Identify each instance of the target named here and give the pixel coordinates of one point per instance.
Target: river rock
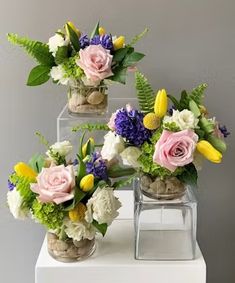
(146, 181)
(61, 245)
(95, 98)
(174, 186)
(158, 186)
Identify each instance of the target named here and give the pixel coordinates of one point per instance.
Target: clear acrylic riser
(66, 122)
(165, 229)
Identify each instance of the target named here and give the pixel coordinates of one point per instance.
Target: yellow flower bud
(151, 121)
(84, 147)
(102, 31)
(160, 106)
(77, 31)
(87, 182)
(209, 152)
(119, 42)
(23, 170)
(78, 213)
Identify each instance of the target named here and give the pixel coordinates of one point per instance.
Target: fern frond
(36, 49)
(145, 93)
(197, 93)
(91, 127)
(136, 38)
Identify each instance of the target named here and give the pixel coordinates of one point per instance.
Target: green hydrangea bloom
(71, 69)
(48, 214)
(172, 127)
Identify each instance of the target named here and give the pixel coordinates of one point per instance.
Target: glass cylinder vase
(87, 99)
(69, 250)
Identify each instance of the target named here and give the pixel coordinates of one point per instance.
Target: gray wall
(189, 42)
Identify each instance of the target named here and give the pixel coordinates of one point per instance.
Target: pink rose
(96, 62)
(55, 184)
(111, 123)
(175, 149)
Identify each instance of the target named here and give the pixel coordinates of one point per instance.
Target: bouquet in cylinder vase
(165, 143)
(73, 198)
(83, 63)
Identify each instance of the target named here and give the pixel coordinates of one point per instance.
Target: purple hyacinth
(224, 131)
(11, 186)
(129, 125)
(105, 40)
(170, 110)
(97, 167)
(84, 41)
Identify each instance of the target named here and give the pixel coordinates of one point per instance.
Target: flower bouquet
(73, 199)
(84, 63)
(165, 145)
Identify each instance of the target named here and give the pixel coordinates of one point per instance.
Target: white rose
(56, 41)
(113, 146)
(62, 148)
(14, 201)
(102, 206)
(130, 156)
(79, 230)
(184, 119)
(58, 74)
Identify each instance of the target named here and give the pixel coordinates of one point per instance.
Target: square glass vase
(165, 229)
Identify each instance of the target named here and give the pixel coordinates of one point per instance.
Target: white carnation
(62, 148)
(58, 74)
(113, 146)
(79, 230)
(102, 206)
(130, 156)
(56, 41)
(14, 201)
(183, 119)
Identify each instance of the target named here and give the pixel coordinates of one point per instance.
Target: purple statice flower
(84, 41)
(224, 131)
(129, 125)
(75, 162)
(105, 40)
(97, 167)
(11, 186)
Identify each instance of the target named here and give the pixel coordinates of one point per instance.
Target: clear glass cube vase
(165, 229)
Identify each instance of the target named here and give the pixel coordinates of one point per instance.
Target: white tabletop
(113, 262)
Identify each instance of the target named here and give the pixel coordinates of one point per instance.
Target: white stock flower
(62, 148)
(113, 146)
(14, 201)
(79, 230)
(130, 156)
(183, 119)
(58, 74)
(102, 206)
(56, 41)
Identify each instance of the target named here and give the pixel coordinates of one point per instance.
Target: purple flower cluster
(224, 131)
(97, 167)
(105, 40)
(11, 186)
(84, 41)
(129, 125)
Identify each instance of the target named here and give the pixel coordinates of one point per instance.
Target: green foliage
(61, 54)
(43, 140)
(79, 195)
(184, 100)
(37, 162)
(49, 214)
(117, 171)
(73, 37)
(197, 93)
(138, 37)
(174, 101)
(189, 175)
(119, 75)
(132, 59)
(91, 127)
(144, 93)
(95, 30)
(23, 186)
(38, 50)
(123, 182)
(39, 75)
(72, 70)
(172, 127)
(102, 228)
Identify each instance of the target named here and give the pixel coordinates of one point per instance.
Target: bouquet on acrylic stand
(165, 145)
(73, 199)
(84, 63)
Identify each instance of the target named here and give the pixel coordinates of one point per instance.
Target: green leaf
(184, 100)
(81, 144)
(78, 196)
(36, 49)
(95, 30)
(189, 175)
(43, 140)
(200, 133)
(90, 148)
(39, 75)
(117, 171)
(73, 38)
(197, 93)
(91, 127)
(138, 37)
(81, 170)
(144, 93)
(132, 59)
(218, 143)
(124, 182)
(37, 162)
(194, 108)
(120, 54)
(174, 101)
(102, 228)
(61, 54)
(119, 75)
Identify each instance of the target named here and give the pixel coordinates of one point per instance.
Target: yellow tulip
(160, 106)
(209, 152)
(151, 121)
(23, 170)
(87, 183)
(72, 26)
(119, 42)
(102, 31)
(78, 213)
(84, 147)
